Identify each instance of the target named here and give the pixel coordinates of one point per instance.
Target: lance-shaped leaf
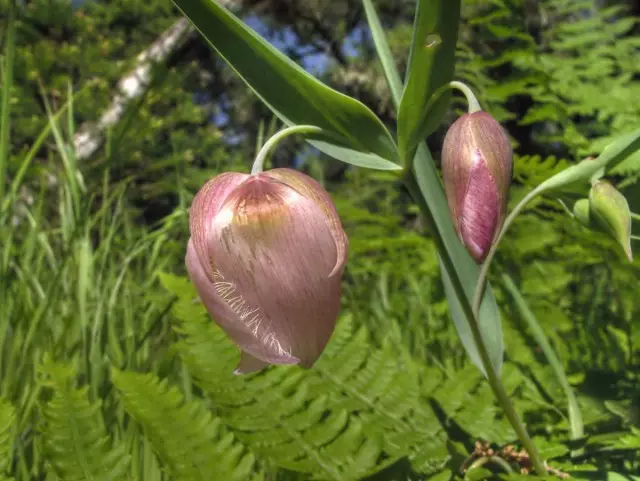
(431, 64)
(464, 268)
(353, 132)
(426, 189)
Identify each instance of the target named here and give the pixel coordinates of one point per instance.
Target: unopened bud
(266, 254)
(477, 162)
(581, 212)
(609, 209)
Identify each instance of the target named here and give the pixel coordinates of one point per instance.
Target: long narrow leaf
(575, 417)
(384, 52)
(429, 188)
(354, 134)
(466, 269)
(431, 64)
(7, 81)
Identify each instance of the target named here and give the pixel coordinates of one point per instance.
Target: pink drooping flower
(266, 255)
(476, 165)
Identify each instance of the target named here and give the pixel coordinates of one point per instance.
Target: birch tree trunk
(90, 136)
(134, 84)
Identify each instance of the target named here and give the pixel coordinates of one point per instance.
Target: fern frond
(532, 170)
(350, 416)
(76, 441)
(7, 432)
(190, 441)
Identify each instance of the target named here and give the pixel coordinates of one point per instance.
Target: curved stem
(492, 376)
(258, 164)
(474, 105)
(484, 269)
(491, 459)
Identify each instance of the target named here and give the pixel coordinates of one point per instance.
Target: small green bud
(581, 212)
(606, 210)
(610, 210)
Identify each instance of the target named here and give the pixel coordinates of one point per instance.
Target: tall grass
(77, 277)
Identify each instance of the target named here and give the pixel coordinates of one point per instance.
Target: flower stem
(269, 145)
(484, 269)
(492, 376)
(474, 105)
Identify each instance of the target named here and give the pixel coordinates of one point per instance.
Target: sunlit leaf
(355, 134)
(431, 64)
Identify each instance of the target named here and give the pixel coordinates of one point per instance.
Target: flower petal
(480, 211)
(220, 298)
(276, 248)
(249, 364)
(205, 206)
(311, 189)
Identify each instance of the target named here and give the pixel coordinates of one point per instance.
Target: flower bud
(581, 212)
(609, 209)
(266, 255)
(476, 166)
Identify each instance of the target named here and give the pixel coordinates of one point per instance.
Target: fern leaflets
(76, 441)
(191, 442)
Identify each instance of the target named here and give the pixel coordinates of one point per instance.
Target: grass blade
(5, 106)
(575, 416)
(384, 52)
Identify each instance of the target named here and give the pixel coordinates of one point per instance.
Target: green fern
(76, 442)
(7, 428)
(348, 417)
(359, 409)
(193, 444)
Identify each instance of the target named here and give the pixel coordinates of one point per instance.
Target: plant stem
(635, 216)
(258, 164)
(484, 269)
(493, 378)
(474, 105)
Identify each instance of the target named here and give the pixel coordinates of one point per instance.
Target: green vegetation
(110, 367)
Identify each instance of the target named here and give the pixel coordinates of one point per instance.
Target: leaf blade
(291, 93)
(384, 52)
(575, 416)
(431, 64)
(466, 269)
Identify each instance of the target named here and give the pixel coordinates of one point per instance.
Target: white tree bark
(90, 136)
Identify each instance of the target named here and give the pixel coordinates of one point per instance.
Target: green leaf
(430, 188)
(426, 190)
(384, 52)
(192, 443)
(491, 336)
(77, 443)
(431, 64)
(611, 156)
(354, 134)
(575, 417)
(7, 432)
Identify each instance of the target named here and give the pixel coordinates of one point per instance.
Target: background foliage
(109, 368)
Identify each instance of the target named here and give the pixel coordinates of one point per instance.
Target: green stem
(5, 104)
(493, 378)
(474, 105)
(258, 164)
(484, 269)
(635, 216)
(478, 463)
